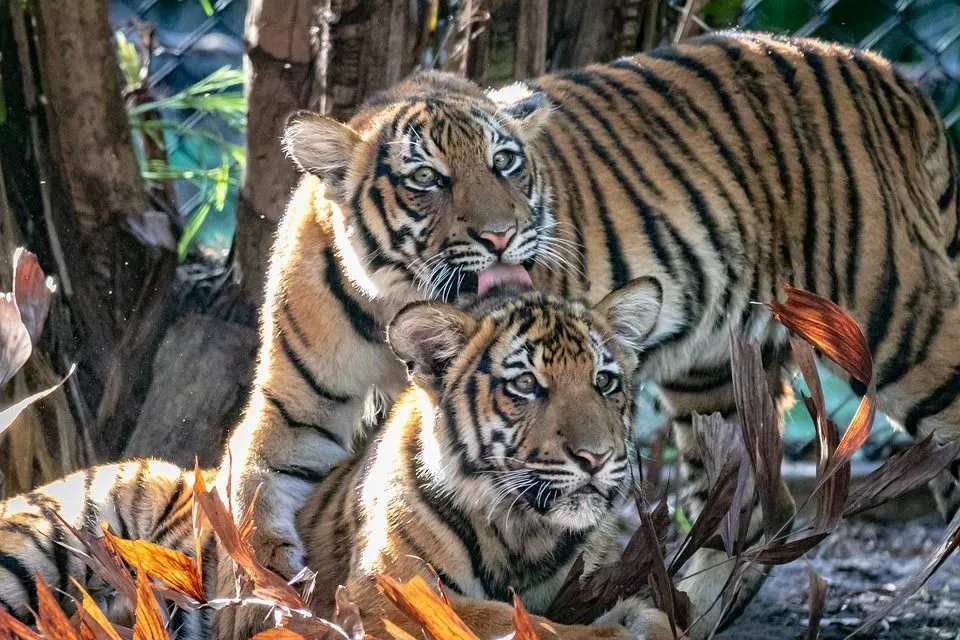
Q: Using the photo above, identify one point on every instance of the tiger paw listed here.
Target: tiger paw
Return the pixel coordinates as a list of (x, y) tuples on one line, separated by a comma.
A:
[(638, 618), (284, 555)]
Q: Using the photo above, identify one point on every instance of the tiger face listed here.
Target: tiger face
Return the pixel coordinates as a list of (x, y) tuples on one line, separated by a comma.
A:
[(535, 396), (435, 181)]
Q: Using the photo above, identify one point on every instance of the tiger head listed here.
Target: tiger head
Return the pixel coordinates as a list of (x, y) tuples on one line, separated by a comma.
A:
[(435, 180), (532, 397)]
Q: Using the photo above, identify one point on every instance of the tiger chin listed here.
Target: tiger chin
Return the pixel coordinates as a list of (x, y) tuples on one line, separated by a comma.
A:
[(505, 460), (721, 168)]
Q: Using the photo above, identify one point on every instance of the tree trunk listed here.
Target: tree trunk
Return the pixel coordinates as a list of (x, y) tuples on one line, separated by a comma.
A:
[(90, 183), (530, 56)]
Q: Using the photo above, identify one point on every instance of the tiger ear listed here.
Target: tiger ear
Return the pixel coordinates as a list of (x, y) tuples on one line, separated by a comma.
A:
[(632, 311), (320, 145), (427, 336), (530, 108)]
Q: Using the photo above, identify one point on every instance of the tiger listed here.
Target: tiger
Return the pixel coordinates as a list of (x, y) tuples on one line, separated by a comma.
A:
[(722, 167), (143, 499), (506, 459)]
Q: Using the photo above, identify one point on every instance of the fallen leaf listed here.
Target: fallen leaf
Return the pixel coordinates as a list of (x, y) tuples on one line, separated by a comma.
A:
[(51, 620), (422, 605), (33, 292), (666, 597), (522, 624), (760, 428), (175, 569), (9, 414), (94, 624), (266, 584), (789, 550), (903, 472), (10, 627), (15, 345), (715, 509), (278, 633), (148, 619), (829, 328), (346, 615)]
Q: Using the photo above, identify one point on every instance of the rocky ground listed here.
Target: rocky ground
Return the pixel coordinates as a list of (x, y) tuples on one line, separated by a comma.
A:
[(864, 562)]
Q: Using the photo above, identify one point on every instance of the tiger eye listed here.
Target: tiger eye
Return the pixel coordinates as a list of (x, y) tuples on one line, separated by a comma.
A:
[(604, 381), (503, 159), (525, 383), (425, 177)]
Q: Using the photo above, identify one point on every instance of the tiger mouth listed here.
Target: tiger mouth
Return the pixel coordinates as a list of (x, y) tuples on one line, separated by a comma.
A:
[(502, 275)]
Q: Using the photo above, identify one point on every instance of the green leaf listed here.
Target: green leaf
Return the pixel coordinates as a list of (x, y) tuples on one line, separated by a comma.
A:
[(207, 7), (190, 231)]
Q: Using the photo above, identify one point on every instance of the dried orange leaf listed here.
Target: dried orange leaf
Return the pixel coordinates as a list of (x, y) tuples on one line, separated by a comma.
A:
[(829, 328), (173, 568), (522, 624), (267, 584), (93, 622), (396, 632), (148, 621), (10, 627), (418, 602), (278, 633), (51, 620)]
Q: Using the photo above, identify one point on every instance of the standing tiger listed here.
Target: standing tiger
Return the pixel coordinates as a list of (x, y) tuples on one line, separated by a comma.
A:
[(721, 168), (505, 461)]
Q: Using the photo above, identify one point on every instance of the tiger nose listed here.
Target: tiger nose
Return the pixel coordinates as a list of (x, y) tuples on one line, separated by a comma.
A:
[(589, 461), (496, 240)]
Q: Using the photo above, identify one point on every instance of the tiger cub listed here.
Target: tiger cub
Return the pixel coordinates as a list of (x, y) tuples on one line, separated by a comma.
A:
[(504, 461), (721, 167)]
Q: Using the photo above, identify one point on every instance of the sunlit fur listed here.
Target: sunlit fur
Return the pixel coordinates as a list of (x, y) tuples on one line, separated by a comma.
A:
[(476, 483), (722, 167), (482, 486), (142, 499)]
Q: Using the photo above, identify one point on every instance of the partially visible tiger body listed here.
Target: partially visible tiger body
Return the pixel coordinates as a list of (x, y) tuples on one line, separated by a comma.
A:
[(141, 499), (506, 461), (723, 168)]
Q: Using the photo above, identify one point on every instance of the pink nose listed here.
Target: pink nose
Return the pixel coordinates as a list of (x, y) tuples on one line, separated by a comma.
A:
[(589, 461), (498, 240)]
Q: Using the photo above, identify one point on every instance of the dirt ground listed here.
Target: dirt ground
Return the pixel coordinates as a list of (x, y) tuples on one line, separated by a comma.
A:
[(864, 562)]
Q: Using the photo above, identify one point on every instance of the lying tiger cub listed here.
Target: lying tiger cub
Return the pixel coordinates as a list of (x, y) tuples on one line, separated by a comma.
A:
[(504, 461)]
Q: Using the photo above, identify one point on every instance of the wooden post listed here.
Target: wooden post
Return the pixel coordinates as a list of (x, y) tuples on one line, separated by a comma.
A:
[(530, 55)]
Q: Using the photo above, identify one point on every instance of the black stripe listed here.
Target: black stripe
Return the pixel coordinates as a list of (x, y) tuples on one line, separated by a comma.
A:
[(701, 207), (175, 496), (941, 398), (853, 194), (23, 576), (301, 473), (306, 375), (617, 262), (326, 433), (878, 325), (362, 322), (61, 558), (446, 512)]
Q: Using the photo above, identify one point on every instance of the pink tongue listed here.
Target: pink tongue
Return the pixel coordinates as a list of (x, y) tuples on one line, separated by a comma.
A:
[(501, 274)]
